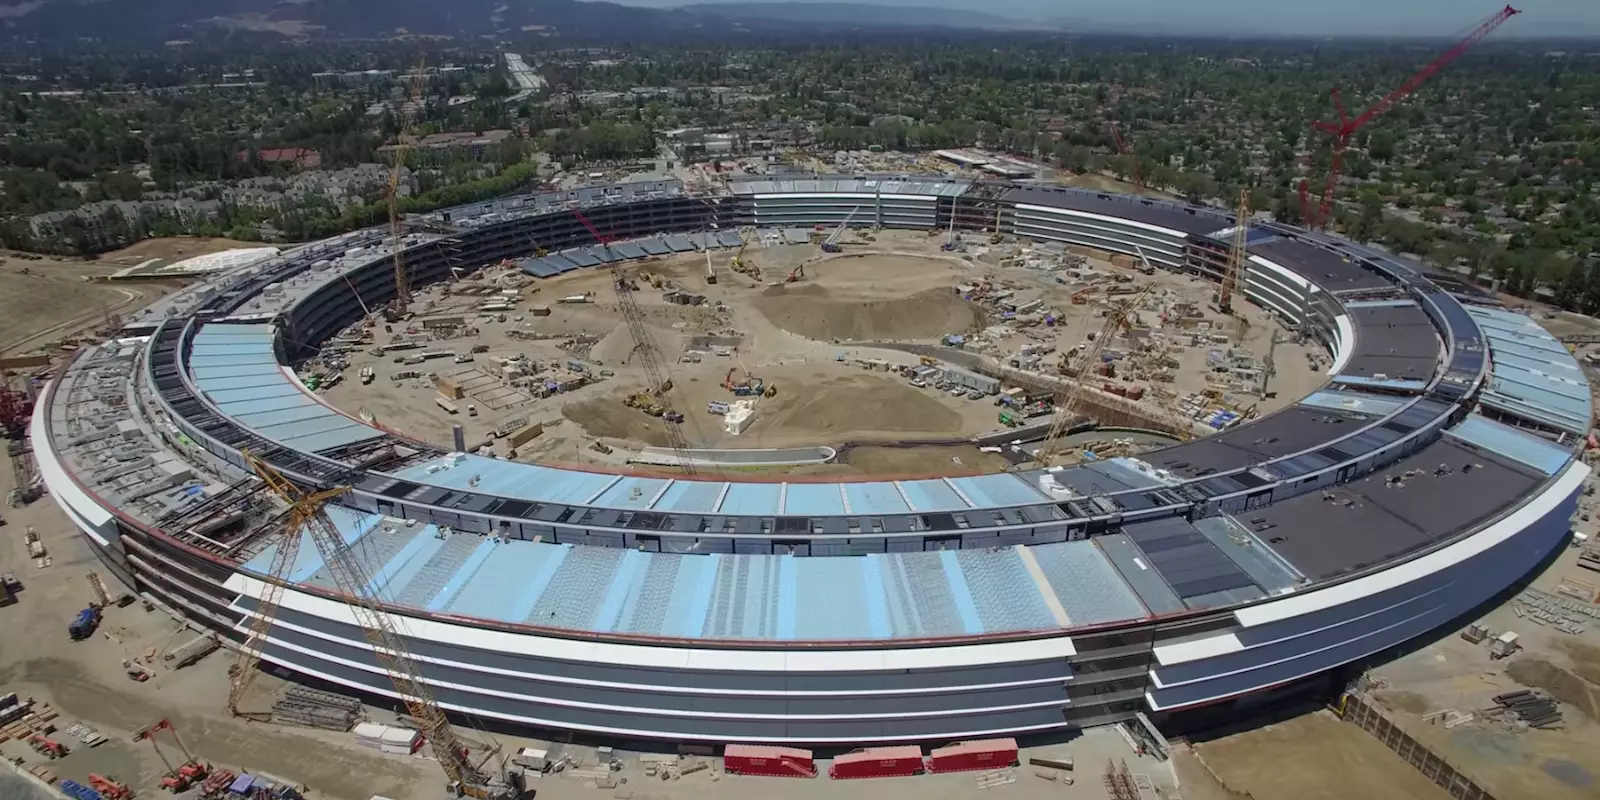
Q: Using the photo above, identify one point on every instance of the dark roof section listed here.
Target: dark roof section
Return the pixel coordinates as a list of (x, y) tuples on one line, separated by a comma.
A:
[(1324, 268), (1400, 343), (1188, 219), (1392, 512)]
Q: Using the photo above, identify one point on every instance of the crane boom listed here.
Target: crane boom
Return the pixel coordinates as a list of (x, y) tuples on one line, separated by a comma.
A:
[(1236, 255), (1116, 316), (660, 383), (1345, 126), (402, 145), (308, 513), (244, 669)]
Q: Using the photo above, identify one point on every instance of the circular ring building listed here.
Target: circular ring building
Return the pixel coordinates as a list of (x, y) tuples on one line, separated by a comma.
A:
[(1435, 468)]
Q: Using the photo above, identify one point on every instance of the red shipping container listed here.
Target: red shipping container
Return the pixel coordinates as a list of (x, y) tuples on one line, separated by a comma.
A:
[(878, 762), (777, 762), (977, 755)]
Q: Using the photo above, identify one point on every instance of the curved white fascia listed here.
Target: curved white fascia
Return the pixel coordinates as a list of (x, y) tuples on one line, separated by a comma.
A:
[(1345, 331), (871, 196), (1556, 493), (535, 677), (1314, 600), (1285, 274), (97, 522), (388, 691), (1068, 212), (668, 656), (377, 671)]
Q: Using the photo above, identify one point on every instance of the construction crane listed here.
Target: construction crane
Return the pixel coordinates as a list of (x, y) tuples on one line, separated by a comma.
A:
[(1236, 255), (1117, 315), (1345, 127), (15, 409), (402, 145), (283, 558), (308, 514), (660, 382), (832, 243)]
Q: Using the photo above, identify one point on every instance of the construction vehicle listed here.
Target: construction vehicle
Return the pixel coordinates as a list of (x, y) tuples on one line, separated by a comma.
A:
[(1236, 255), (743, 267), (84, 625), (952, 242), (1082, 295), (1346, 127), (108, 788), (47, 747), (187, 773), (308, 516), (831, 244), (711, 272), (1118, 315), (799, 273), (600, 447), (994, 238), (649, 356), (135, 671)]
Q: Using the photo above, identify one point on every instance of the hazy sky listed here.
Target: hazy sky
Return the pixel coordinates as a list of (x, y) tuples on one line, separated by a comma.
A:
[(1303, 17)]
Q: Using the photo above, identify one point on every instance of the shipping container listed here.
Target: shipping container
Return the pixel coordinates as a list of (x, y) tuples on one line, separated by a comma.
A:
[(776, 762), (878, 762), (976, 755)]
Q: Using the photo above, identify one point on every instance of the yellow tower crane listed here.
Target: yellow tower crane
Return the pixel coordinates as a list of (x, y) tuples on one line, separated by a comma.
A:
[(1236, 255), (402, 145), (1118, 315), (308, 515)]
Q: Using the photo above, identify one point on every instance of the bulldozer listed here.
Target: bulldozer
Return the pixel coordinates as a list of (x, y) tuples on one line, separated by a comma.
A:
[(645, 402)]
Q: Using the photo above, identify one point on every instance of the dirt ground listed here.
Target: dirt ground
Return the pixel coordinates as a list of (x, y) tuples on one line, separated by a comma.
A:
[(85, 682), (1451, 673), (172, 248), (897, 287), (46, 300), (1312, 757)]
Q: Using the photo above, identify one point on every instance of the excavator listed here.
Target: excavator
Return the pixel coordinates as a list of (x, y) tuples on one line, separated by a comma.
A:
[(798, 274)]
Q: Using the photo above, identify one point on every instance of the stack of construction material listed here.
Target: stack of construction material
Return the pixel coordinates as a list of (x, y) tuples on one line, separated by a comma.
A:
[(310, 708), (1535, 708), (388, 738)]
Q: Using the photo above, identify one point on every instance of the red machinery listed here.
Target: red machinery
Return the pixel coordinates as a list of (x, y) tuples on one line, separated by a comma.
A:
[(46, 746), (878, 762), (1346, 127), (798, 274), (775, 762), (184, 775), (15, 408), (108, 788), (977, 755)]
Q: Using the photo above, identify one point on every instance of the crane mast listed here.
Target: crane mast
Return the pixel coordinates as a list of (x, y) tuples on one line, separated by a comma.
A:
[(1346, 127), (660, 383), (308, 513), (1117, 315), (402, 282), (1236, 255)]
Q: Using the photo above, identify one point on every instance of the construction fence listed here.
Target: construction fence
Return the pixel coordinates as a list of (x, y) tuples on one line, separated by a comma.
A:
[(1357, 711)]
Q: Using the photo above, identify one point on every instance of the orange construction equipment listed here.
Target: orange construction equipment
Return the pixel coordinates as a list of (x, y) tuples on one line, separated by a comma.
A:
[(1082, 295), (47, 747), (108, 788), (184, 775), (799, 273)]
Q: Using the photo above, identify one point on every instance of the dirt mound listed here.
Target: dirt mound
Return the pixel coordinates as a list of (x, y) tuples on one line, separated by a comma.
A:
[(813, 312), (616, 347), (856, 406), (1563, 685), (607, 417)]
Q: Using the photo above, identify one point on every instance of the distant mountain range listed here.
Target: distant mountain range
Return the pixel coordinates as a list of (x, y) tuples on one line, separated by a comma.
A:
[(897, 16), (145, 22)]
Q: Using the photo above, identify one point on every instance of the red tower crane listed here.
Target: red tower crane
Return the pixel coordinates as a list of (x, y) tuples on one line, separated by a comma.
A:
[(1113, 95), (1347, 126)]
